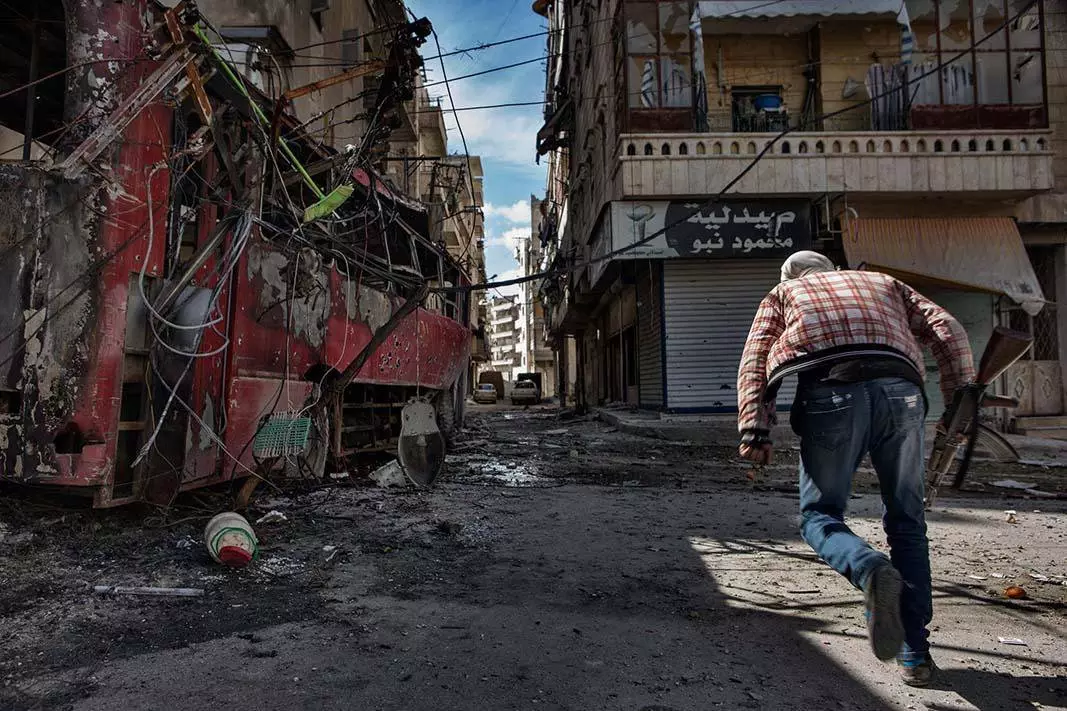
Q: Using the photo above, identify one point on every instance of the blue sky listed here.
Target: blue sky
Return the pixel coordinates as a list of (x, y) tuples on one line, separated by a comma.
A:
[(503, 137)]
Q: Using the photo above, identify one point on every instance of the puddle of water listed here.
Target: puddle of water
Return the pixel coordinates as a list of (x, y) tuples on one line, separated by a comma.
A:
[(512, 474)]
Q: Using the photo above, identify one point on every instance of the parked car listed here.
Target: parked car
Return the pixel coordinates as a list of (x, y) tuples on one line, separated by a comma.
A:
[(525, 392), (486, 393)]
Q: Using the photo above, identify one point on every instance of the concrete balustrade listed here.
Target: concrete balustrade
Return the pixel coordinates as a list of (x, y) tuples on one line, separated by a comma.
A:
[(952, 162)]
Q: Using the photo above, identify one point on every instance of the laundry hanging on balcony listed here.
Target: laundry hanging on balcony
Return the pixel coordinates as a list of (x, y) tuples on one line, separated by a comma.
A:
[(888, 89), (700, 80), (648, 85), (907, 37)]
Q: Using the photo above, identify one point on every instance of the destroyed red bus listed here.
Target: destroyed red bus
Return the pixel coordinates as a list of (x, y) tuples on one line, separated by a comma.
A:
[(190, 278)]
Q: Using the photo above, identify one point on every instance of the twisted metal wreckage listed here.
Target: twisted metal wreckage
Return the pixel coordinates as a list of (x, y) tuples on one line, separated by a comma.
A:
[(202, 292)]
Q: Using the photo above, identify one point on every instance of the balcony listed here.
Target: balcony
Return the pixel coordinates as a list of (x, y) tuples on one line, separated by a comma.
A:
[(431, 122), (814, 163)]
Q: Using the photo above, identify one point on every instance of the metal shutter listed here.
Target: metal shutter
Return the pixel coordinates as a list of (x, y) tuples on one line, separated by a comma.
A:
[(709, 306), (650, 337)]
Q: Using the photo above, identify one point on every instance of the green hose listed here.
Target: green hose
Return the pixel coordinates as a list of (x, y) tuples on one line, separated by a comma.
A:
[(236, 81)]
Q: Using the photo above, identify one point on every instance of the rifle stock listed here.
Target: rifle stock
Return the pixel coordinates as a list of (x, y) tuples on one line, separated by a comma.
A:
[(1004, 348)]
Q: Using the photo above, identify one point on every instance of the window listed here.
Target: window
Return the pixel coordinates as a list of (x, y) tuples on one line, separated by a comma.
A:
[(1005, 65), (658, 48), (34, 40), (351, 48), (318, 8), (757, 109)]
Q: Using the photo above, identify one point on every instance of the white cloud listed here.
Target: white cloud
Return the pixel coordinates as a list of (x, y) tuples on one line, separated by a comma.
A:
[(519, 212), (506, 134), (513, 290), (509, 238)]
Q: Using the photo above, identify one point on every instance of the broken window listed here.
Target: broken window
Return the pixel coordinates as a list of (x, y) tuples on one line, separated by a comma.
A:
[(33, 35), (659, 50), (318, 9), (657, 85), (1003, 63)]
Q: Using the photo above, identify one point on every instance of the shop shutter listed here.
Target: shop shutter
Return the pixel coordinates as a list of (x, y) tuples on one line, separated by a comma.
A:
[(709, 306), (650, 337)]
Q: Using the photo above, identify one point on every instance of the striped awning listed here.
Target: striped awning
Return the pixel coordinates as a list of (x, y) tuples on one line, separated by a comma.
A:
[(972, 253), (795, 8)]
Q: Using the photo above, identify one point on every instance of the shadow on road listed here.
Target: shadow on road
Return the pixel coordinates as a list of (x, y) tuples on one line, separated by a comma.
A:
[(990, 691)]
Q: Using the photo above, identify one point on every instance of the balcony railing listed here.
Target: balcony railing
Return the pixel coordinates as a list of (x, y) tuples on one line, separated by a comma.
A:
[(659, 164)]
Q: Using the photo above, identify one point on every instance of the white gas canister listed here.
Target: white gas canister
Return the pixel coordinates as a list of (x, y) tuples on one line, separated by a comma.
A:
[(230, 540)]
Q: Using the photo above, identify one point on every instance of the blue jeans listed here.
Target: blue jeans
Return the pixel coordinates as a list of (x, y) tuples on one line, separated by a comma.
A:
[(838, 424)]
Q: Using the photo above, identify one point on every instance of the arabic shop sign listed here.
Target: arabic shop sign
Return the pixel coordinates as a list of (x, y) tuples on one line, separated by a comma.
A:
[(732, 229)]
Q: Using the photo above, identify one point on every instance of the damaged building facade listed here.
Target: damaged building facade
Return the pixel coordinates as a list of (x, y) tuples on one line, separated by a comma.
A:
[(213, 270), (537, 353), (920, 143)]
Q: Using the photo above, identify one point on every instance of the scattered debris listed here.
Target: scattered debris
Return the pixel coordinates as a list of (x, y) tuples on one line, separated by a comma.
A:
[(1011, 516), (272, 517), (154, 592), (230, 540), (996, 575), (1015, 592), (450, 528), (13, 539), (1012, 484), (279, 567), (1028, 489), (561, 430), (331, 552), (1051, 579), (1013, 641), (470, 444), (389, 475), (977, 577)]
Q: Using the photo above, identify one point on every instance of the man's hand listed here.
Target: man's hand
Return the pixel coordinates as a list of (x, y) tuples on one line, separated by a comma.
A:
[(759, 453)]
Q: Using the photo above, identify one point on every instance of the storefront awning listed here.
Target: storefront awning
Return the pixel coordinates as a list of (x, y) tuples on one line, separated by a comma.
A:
[(795, 8), (974, 253), (548, 137)]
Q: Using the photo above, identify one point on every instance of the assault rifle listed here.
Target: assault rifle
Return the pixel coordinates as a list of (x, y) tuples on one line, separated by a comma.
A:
[(959, 426)]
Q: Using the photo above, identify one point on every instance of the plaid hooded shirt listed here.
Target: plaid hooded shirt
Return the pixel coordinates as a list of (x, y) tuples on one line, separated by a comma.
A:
[(817, 319)]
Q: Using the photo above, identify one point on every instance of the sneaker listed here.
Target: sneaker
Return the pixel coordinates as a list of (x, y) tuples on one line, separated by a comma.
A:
[(918, 672), (884, 627)]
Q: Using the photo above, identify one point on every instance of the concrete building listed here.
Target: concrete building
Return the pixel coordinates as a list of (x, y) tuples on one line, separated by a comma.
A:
[(537, 353), (680, 199), (503, 334), (452, 186)]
